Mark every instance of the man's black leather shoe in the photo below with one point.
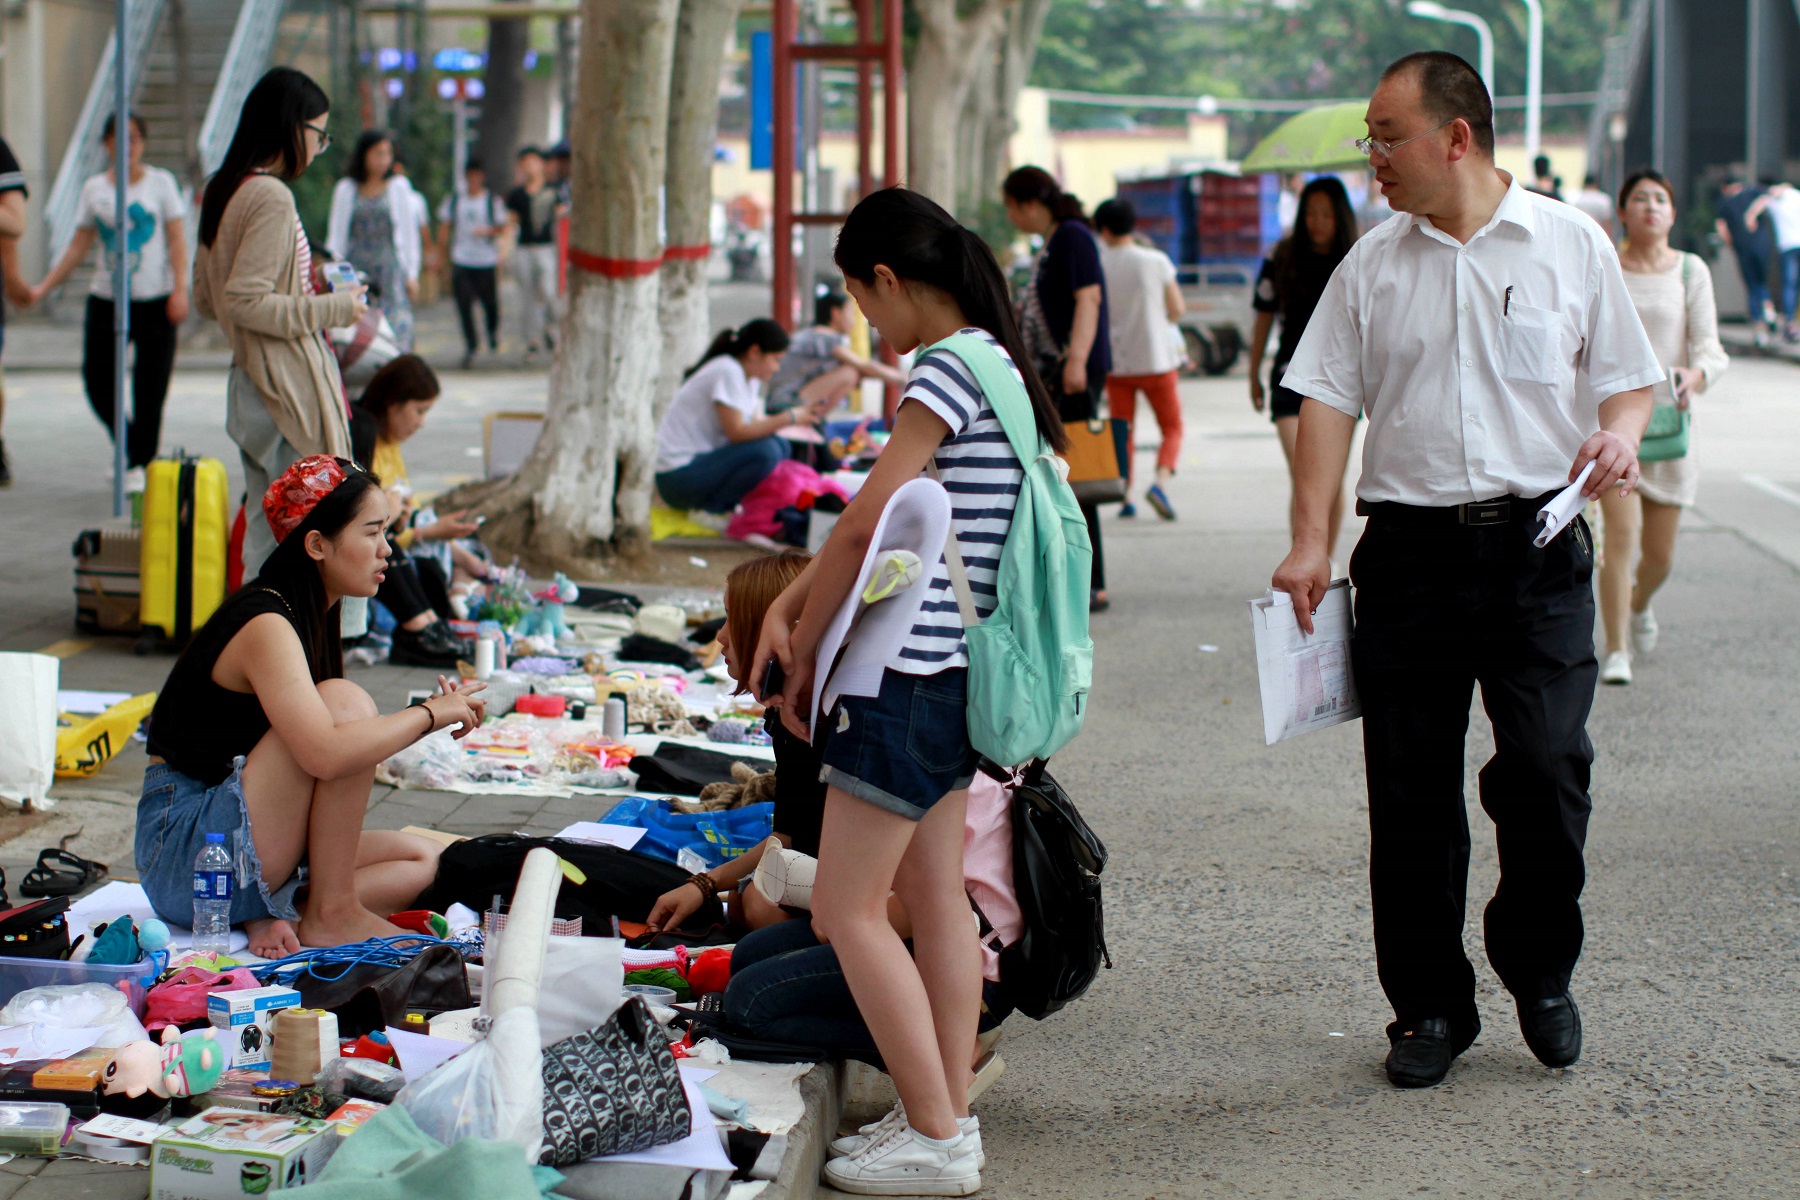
(1421, 1056)
(1552, 1029)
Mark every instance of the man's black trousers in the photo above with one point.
(1441, 607)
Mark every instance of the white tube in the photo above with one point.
(517, 966)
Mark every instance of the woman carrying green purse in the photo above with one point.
(1673, 293)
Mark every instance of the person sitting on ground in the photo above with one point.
(820, 367)
(716, 443)
(258, 735)
(799, 796)
(428, 551)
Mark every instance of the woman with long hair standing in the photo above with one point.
(155, 246)
(1069, 291)
(899, 764)
(1673, 293)
(258, 736)
(1293, 278)
(253, 274)
(374, 226)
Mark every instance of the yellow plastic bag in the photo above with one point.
(84, 743)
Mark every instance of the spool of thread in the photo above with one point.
(612, 724)
(484, 658)
(108, 1149)
(305, 1040)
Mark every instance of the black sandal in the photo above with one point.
(59, 873)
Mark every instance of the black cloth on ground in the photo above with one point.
(600, 599)
(620, 883)
(198, 727)
(639, 647)
(679, 770)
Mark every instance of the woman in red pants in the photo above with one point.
(1146, 303)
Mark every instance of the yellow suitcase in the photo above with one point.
(186, 526)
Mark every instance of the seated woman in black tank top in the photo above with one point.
(258, 736)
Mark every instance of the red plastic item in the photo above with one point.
(234, 553)
(367, 1047)
(541, 706)
(710, 971)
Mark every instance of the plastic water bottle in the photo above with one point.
(214, 875)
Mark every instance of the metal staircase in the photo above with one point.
(190, 65)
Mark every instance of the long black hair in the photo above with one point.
(1026, 184)
(760, 334)
(270, 127)
(919, 242)
(293, 574)
(358, 166)
(1297, 247)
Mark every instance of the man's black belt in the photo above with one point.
(1504, 510)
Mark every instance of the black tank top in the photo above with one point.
(197, 726)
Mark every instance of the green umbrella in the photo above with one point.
(1318, 139)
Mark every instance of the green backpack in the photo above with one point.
(1031, 662)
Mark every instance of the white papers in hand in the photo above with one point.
(1556, 515)
(1305, 678)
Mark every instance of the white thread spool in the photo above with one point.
(484, 658)
(612, 725)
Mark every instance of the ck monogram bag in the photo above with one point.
(612, 1090)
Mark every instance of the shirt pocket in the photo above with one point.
(1533, 345)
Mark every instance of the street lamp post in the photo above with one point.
(1430, 10)
(1534, 76)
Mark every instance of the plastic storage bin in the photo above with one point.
(18, 974)
(31, 1128)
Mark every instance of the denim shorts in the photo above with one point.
(175, 814)
(905, 749)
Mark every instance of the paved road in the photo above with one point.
(1236, 1049)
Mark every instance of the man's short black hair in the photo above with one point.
(1450, 88)
(529, 150)
(1116, 216)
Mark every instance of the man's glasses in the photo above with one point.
(324, 138)
(1371, 146)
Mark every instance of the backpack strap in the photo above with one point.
(959, 574)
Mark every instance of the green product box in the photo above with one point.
(229, 1153)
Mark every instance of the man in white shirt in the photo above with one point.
(470, 225)
(1144, 304)
(1782, 204)
(1487, 334)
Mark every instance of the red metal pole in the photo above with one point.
(784, 33)
(891, 84)
(865, 101)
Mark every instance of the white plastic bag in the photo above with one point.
(466, 1096)
(581, 988)
(27, 727)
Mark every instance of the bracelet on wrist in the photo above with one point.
(430, 717)
(706, 885)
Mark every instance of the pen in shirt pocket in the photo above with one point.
(1506, 302)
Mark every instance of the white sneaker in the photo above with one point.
(1616, 669)
(901, 1161)
(844, 1147)
(1644, 631)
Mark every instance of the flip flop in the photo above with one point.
(60, 873)
(897, 571)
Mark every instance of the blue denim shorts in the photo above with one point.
(905, 749)
(175, 814)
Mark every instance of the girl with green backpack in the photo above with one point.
(899, 764)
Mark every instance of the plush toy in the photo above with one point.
(183, 1065)
(546, 620)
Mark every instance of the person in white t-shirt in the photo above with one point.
(1595, 203)
(470, 225)
(155, 245)
(1145, 304)
(716, 443)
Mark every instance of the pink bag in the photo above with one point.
(182, 996)
(792, 484)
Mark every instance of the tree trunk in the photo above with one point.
(503, 105)
(987, 122)
(945, 60)
(700, 40)
(585, 489)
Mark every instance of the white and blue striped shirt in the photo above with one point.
(982, 474)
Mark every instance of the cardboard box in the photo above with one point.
(228, 1153)
(246, 1023)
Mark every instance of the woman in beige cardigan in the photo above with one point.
(253, 274)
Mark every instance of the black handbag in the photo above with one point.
(612, 1090)
(368, 998)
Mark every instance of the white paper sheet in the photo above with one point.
(20, 1043)
(1556, 515)
(622, 836)
(1305, 679)
(420, 1053)
(88, 703)
(118, 898)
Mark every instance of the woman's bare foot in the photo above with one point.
(271, 937)
(341, 926)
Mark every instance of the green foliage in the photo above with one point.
(1270, 49)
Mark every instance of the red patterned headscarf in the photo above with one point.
(291, 498)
